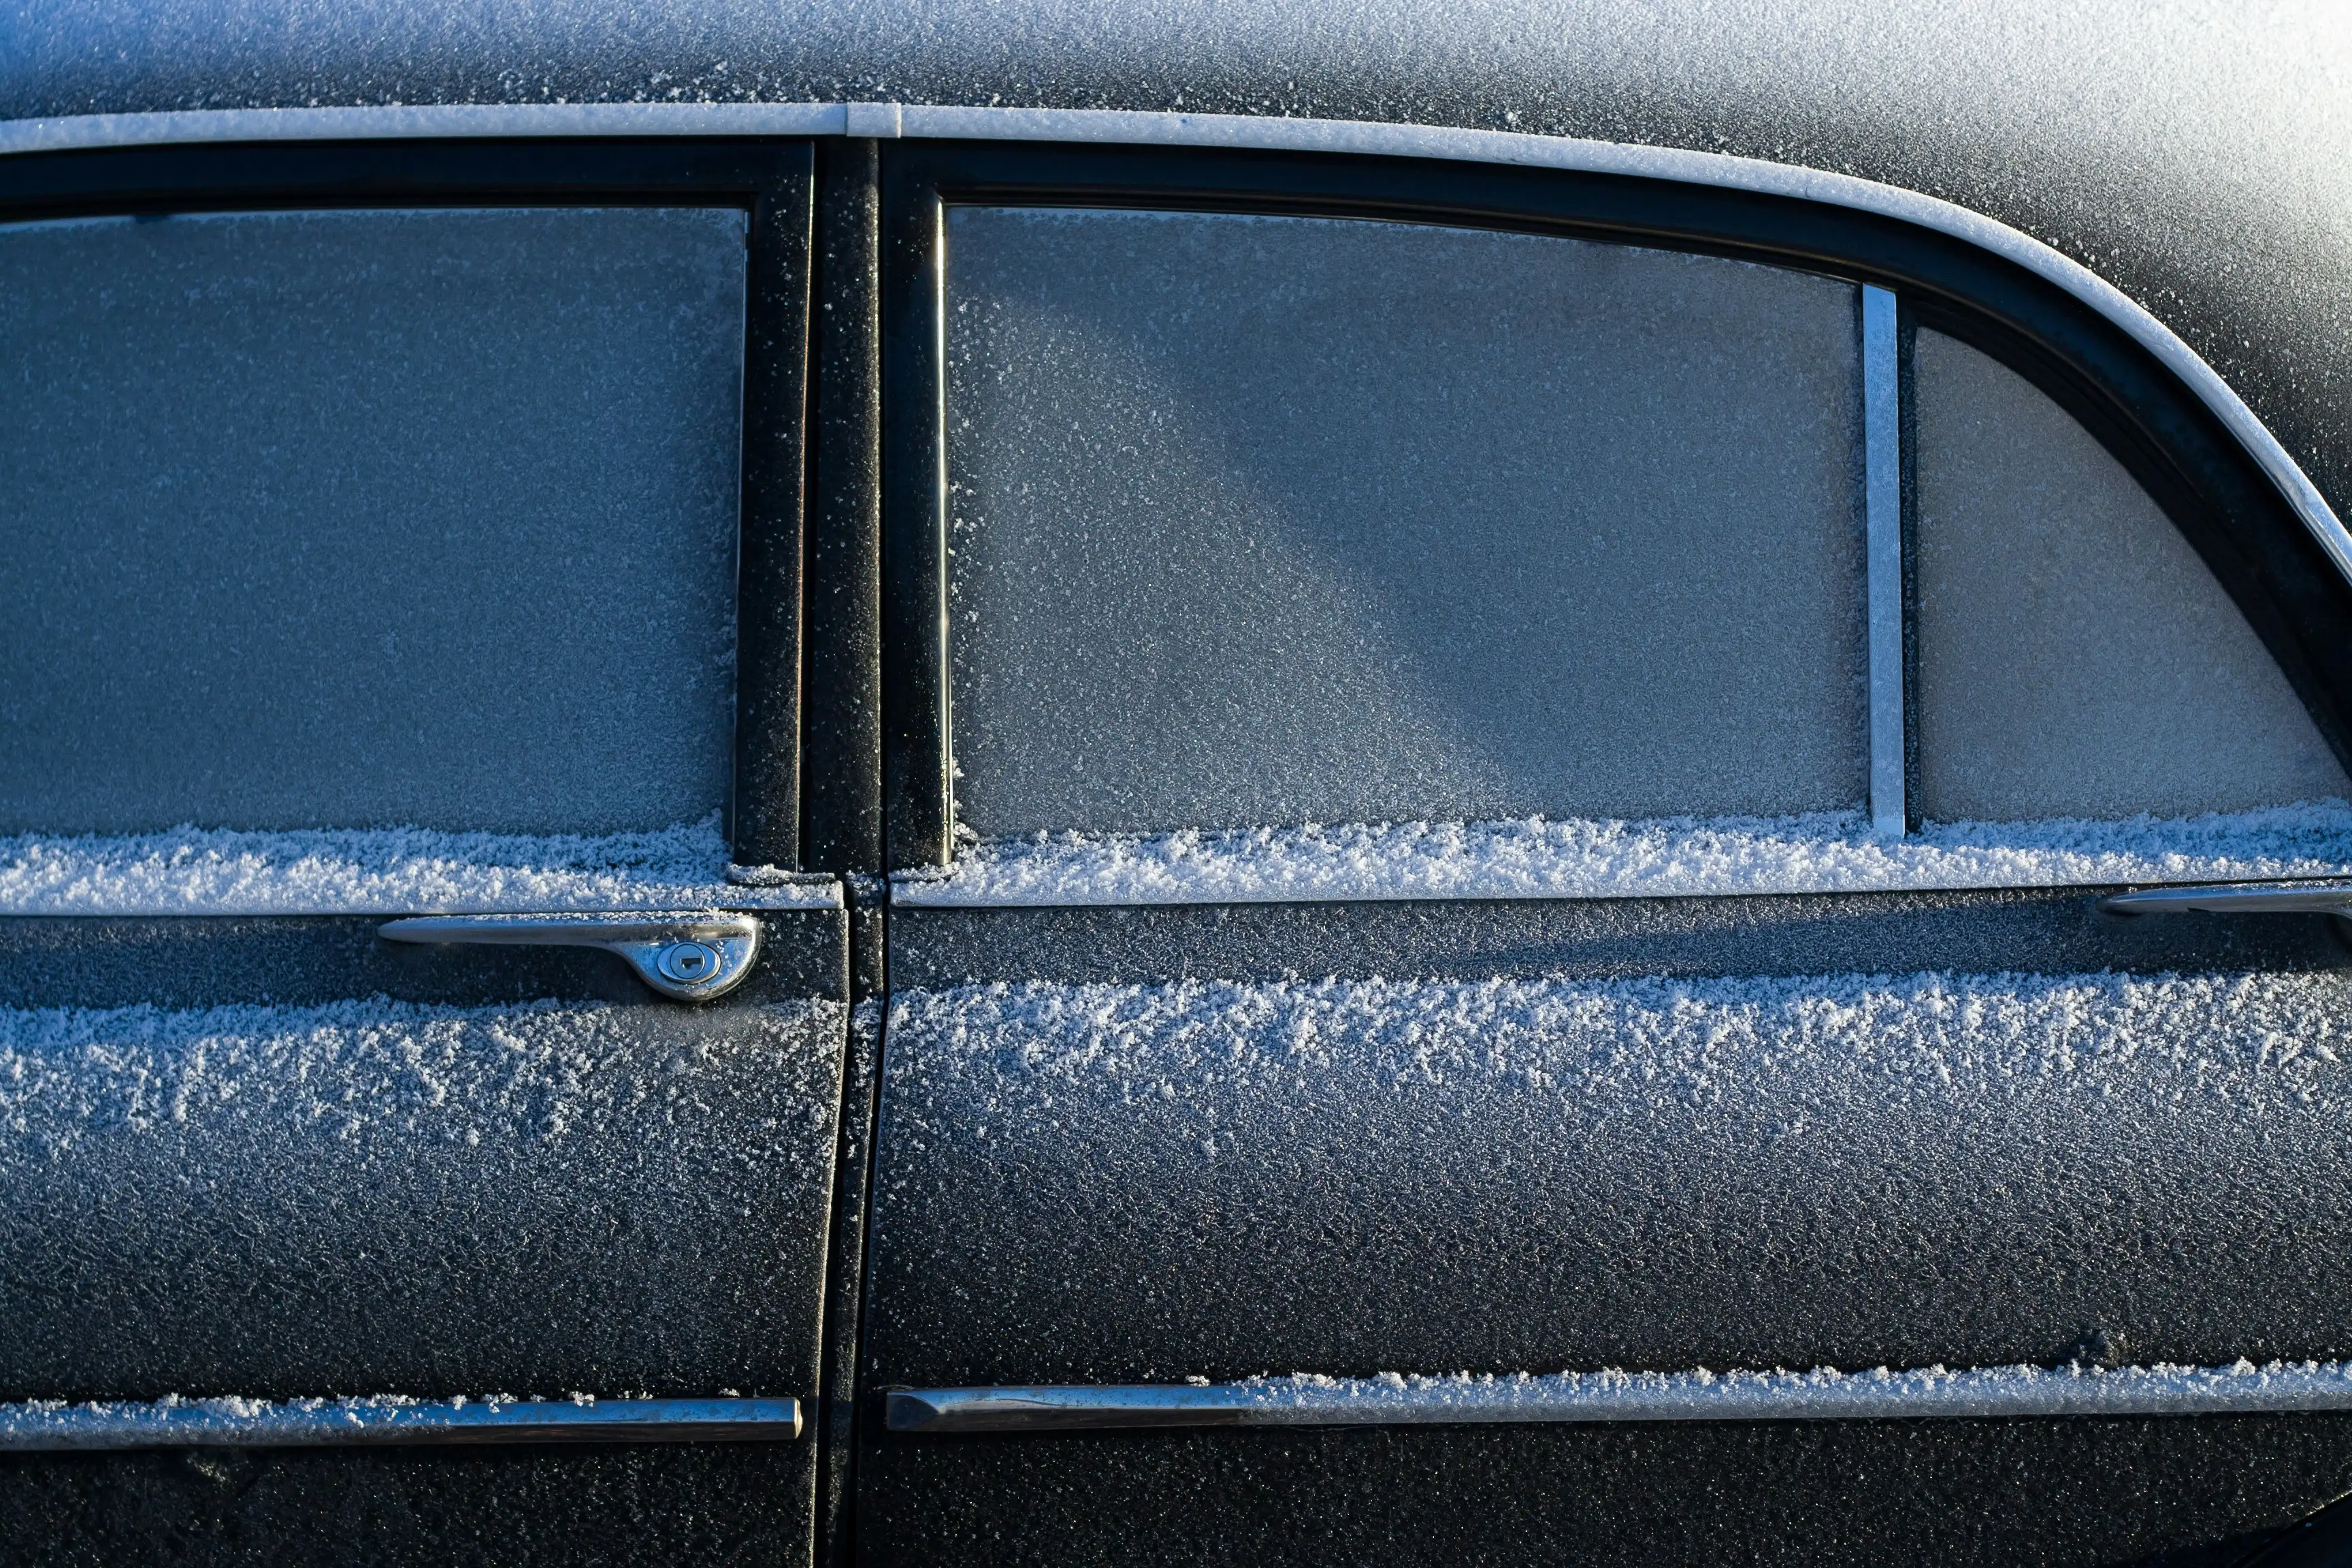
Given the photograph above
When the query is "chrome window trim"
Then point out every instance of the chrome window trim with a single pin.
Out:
(1881, 423)
(1264, 134)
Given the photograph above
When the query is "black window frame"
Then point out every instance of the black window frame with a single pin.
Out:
(771, 181)
(2167, 438)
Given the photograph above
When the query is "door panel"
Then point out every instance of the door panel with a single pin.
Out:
(1103, 1173)
(2165, 1491)
(439, 557)
(645, 1504)
(1237, 510)
(498, 1171)
(1141, 1183)
(449, 1192)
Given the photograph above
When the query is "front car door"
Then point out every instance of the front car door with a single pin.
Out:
(420, 1062)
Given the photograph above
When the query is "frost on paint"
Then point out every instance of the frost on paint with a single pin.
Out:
(1536, 858)
(2008, 1044)
(374, 1195)
(381, 871)
(1975, 1170)
(350, 1072)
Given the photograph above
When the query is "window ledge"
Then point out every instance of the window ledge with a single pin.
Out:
(1824, 852)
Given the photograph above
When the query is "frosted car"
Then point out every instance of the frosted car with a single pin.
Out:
(1207, 785)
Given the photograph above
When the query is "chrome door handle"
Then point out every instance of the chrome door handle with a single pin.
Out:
(2237, 898)
(690, 957)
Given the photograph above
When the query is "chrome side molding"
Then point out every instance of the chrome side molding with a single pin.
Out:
(2236, 899)
(688, 957)
(1823, 1394)
(1046, 1408)
(55, 1427)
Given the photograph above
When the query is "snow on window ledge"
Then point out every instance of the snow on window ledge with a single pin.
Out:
(401, 871)
(1824, 852)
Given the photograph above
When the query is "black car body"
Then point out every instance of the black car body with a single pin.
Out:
(997, 783)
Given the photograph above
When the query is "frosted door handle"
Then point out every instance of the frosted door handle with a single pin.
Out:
(2237, 898)
(690, 957)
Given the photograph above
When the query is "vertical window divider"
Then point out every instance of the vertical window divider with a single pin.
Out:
(1906, 365)
(841, 715)
(1882, 440)
(764, 818)
(917, 799)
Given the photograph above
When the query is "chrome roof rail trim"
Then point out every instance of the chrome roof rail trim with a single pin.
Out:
(1932, 1393)
(56, 1426)
(1255, 132)
(418, 121)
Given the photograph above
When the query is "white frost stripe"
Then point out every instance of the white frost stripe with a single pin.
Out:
(389, 872)
(1678, 857)
(45, 1425)
(1147, 128)
(1825, 1395)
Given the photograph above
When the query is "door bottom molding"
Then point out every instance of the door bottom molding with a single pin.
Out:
(386, 1420)
(1823, 1394)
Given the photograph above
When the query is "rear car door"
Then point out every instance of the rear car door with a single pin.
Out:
(419, 1060)
(1510, 793)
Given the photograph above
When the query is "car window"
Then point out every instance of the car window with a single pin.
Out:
(2077, 658)
(1267, 520)
(368, 517)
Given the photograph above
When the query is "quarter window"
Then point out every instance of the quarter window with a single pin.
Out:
(2077, 658)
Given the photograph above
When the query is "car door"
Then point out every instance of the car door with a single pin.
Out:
(421, 1055)
(1511, 793)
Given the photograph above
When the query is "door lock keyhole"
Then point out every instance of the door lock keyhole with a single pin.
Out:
(688, 963)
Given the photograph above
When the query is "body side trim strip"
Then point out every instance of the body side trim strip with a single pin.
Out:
(1825, 1395)
(55, 1427)
(1157, 128)
(2235, 898)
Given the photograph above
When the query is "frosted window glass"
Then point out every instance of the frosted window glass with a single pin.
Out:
(2076, 657)
(1268, 519)
(362, 518)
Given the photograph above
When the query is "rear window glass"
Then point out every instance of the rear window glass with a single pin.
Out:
(359, 519)
(1279, 520)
